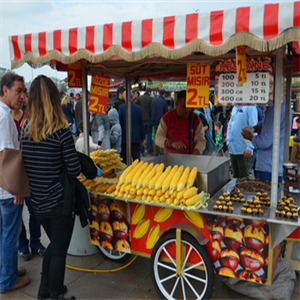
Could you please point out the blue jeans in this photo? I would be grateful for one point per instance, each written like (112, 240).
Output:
(148, 133)
(266, 176)
(10, 219)
(34, 230)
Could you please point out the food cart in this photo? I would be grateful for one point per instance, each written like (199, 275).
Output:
(186, 246)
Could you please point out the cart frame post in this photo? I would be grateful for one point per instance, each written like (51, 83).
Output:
(276, 126)
(84, 100)
(287, 132)
(128, 119)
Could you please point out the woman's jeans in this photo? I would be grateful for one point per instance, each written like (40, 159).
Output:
(34, 230)
(10, 219)
(59, 229)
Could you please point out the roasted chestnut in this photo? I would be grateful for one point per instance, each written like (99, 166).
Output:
(217, 232)
(116, 212)
(255, 223)
(249, 276)
(94, 229)
(227, 272)
(251, 260)
(94, 212)
(254, 237)
(233, 236)
(122, 246)
(103, 212)
(106, 232)
(107, 245)
(230, 259)
(216, 250)
(234, 220)
(120, 229)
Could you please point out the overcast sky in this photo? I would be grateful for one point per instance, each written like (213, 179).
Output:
(23, 16)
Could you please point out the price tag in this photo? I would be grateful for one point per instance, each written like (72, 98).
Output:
(255, 90)
(241, 64)
(197, 90)
(75, 75)
(99, 94)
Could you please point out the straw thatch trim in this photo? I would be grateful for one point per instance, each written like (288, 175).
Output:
(158, 50)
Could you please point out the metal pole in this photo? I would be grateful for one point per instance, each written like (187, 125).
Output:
(276, 127)
(287, 129)
(128, 119)
(85, 120)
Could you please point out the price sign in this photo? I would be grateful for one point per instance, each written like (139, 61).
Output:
(241, 64)
(75, 75)
(197, 90)
(99, 94)
(255, 90)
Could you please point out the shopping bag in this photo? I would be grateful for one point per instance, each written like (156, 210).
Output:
(13, 176)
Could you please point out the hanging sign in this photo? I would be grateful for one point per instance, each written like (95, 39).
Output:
(241, 64)
(258, 89)
(197, 90)
(75, 75)
(99, 94)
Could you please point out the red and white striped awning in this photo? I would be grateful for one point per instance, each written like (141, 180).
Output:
(262, 27)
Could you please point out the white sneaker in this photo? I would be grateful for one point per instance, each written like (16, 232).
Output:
(293, 190)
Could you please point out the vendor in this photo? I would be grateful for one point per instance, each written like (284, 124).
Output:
(180, 130)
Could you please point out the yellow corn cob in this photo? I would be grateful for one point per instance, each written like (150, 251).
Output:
(144, 197)
(120, 195)
(162, 178)
(116, 193)
(138, 174)
(132, 191)
(175, 179)
(176, 201)
(162, 198)
(152, 193)
(169, 201)
(183, 179)
(124, 174)
(130, 175)
(159, 193)
(122, 188)
(190, 192)
(152, 182)
(191, 178)
(138, 198)
(144, 174)
(180, 194)
(146, 191)
(156, 198)
(130, 196)
(149, 176)
(192, 200)
(134, 164)
(167, 194)
(149, 198)
(174, 195)
(127, 188)
(139, 192)
(118, 187)
(166, 184)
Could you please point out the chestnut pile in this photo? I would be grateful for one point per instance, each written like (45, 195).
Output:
(263, 198)
(239, 249)
(253, 207)
(236, 195)
(287, 208)
(224, 203)
(108, 226)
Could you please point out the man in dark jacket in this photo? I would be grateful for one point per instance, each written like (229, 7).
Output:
(137, 130)
(144, 102)
(158, 108)
(121, 96)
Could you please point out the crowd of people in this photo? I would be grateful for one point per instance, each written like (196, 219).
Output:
(51, 130)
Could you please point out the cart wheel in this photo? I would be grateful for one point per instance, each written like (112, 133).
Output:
(114, 255)
(196, 280)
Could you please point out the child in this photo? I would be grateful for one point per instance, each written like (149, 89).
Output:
(80, 142)
(115, 130)
(296, 146)
(219, 136)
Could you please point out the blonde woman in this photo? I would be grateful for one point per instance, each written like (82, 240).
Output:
(48, 146)
(69, 113)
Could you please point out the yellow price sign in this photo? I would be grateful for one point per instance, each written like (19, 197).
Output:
(241, 60)
(198, 80)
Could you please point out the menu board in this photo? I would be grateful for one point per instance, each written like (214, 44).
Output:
(258, 89)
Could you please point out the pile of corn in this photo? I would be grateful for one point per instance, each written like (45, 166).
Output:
(107, 159)
(154, 183)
